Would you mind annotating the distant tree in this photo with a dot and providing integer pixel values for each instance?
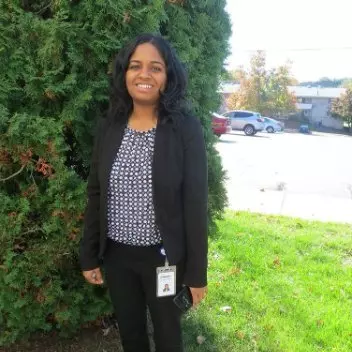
(281, 100)
(326, 82)
(347, 83)
(225, 75)
(342, 108)
(252, 85)
(237, 74)
(294, 81)
(263, 91)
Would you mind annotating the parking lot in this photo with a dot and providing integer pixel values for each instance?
(307, 176)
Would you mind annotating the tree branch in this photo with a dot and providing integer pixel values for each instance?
(34, 179)
(42, 10)
(15, 174)
(36, 229)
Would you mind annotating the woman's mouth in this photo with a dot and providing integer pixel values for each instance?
(144, 86)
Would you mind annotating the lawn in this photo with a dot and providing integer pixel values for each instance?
(288, 283)
(276, 284)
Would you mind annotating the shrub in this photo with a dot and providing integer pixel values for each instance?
(54, 71)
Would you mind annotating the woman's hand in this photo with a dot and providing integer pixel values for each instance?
(94, 276)
(198, 294)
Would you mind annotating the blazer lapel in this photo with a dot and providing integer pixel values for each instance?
(161, 148)
(160, 139)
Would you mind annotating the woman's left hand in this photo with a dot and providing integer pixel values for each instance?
(198, 294)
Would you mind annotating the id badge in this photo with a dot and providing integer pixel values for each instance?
(166, 281)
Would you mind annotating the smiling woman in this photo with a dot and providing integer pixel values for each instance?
(147, 197)
(149, 71)
(146, 75)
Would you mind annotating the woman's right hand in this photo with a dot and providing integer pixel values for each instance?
(94, 276)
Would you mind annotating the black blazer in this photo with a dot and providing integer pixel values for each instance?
(180, 192)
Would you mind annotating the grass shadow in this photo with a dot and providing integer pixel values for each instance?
(198, 335)
(96, 339)
(91, 339)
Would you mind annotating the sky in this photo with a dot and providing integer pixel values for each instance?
(315, 35)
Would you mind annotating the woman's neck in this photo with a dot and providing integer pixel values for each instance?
(143, 117)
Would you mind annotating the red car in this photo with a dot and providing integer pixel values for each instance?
(220, 124)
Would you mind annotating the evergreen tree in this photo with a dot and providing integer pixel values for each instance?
(198, 30)
(55, 62)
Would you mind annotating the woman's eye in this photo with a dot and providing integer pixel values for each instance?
(133, 67)
(156, 69)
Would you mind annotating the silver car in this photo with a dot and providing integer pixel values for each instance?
(249, 122)
(271, 125)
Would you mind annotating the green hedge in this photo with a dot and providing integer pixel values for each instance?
(55, 61)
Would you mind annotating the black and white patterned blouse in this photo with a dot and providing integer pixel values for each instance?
(131, 216)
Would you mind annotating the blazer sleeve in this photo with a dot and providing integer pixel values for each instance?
(195, 199)
(89, 246)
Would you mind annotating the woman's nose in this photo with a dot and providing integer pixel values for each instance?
(144, 72)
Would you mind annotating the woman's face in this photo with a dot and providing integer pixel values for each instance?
(146, 75)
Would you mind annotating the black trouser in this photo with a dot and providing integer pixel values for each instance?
(131, 278)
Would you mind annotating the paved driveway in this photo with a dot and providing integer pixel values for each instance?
(307, 176)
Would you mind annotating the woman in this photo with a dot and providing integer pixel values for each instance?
(147, 197)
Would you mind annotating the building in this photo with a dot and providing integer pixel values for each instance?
(313, 103)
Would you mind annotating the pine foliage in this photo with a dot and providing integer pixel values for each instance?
(55, 62)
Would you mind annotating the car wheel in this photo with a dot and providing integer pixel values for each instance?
(249, 130)
(270, 129)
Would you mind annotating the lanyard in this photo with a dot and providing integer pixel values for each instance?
(163, 252)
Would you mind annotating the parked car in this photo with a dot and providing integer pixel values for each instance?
(272, 125)
(249, 122)
(220, 124)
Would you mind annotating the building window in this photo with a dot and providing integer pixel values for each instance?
(307, 113)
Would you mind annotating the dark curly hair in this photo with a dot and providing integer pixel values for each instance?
(172, 102)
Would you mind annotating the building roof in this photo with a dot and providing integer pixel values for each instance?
(316, 92)
(305, 92)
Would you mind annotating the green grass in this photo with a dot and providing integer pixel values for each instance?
(288, 281)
